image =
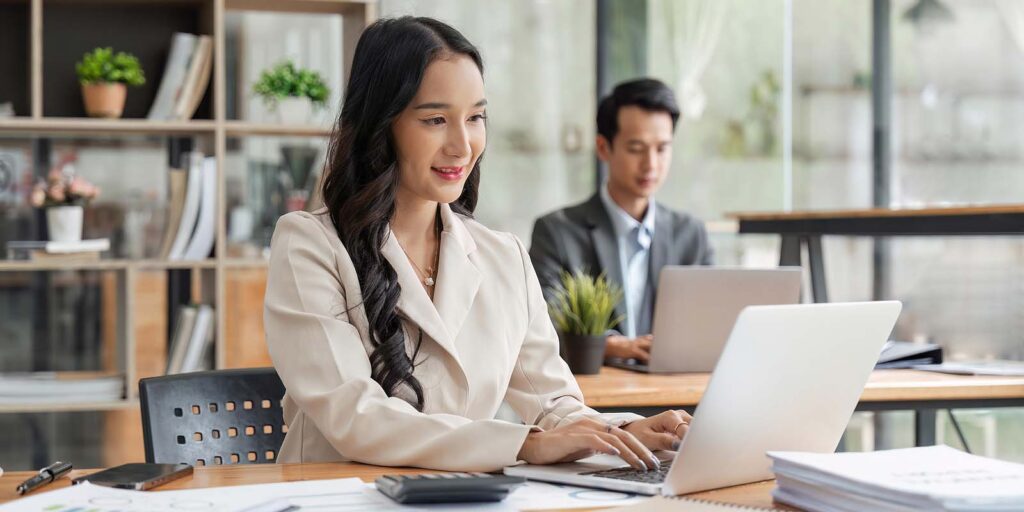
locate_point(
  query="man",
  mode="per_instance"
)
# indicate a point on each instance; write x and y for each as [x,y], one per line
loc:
[621,230]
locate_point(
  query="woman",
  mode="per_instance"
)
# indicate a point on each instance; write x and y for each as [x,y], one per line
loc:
[399,324]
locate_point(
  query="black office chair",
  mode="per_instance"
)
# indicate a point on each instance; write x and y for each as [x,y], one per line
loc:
[215,417]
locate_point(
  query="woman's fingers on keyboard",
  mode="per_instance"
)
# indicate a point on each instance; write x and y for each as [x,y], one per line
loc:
[625,451]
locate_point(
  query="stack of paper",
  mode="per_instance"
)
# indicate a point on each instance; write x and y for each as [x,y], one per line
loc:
[930,478]
[60,387]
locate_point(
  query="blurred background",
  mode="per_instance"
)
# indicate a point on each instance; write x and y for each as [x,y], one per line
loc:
[777,116]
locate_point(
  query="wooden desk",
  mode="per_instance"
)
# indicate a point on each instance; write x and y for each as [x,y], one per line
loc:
[807,227]
[757,494]
[616,390]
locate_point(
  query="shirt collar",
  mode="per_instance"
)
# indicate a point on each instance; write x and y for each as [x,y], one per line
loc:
[622,222]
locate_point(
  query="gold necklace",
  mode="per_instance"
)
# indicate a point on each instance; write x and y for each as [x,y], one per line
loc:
[428,276]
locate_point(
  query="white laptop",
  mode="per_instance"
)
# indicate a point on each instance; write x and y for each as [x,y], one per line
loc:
[788,380]
[697,307]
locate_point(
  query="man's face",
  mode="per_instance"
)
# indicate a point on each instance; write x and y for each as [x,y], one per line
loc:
[640,155]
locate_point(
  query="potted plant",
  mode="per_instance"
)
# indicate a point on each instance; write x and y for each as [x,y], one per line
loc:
[292,92]
[104,76]
[583,310]
[64,195]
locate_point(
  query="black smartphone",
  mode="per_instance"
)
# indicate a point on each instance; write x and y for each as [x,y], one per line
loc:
[137,476]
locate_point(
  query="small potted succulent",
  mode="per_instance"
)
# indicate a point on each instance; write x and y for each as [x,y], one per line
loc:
[63,194]
[292,92]
[583,310]
[105,76]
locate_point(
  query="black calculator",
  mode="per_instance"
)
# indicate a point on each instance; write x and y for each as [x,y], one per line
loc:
[448,487]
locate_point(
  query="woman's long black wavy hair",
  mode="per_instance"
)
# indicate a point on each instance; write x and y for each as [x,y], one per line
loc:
[362,173]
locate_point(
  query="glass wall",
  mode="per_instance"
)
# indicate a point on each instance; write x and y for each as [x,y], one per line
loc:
[956,138]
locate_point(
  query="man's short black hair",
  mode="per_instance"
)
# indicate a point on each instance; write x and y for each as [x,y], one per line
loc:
[646,93]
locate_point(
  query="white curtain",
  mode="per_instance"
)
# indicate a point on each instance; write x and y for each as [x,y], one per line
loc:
[694,27]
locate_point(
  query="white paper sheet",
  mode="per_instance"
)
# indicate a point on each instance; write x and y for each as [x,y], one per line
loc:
[95,498]
[341,495]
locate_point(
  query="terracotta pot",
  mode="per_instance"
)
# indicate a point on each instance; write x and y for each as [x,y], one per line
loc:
[104,99]
[585,354]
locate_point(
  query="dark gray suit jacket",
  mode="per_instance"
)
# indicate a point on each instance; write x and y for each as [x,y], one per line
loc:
[582,237]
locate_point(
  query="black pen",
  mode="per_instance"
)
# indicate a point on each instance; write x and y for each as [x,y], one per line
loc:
[45,476]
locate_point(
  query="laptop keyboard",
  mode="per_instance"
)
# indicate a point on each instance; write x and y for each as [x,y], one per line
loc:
[656,476]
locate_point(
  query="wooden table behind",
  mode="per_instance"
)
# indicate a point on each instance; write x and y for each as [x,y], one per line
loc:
[614,387]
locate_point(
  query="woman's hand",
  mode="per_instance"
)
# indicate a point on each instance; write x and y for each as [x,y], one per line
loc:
[661,432]
[621,347]
[583,438]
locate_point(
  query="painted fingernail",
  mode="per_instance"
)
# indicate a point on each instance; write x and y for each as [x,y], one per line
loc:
[644,464]
[615,451]
[657,463]
[675,445]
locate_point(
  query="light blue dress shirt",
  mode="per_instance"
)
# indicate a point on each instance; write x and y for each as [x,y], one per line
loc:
[634,241]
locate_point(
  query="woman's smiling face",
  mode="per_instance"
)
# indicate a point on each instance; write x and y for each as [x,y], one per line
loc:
[441,133]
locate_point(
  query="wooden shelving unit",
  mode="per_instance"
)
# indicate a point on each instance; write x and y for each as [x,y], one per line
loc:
[48,110]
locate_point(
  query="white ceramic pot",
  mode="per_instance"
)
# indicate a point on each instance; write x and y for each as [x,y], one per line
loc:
[65,223]
[295,111]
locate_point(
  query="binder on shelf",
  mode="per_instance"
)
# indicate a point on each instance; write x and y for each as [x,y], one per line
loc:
[196,79]
[190,208]
[198,339]
[175,207]
[180,339]
[182,48]
[201,243]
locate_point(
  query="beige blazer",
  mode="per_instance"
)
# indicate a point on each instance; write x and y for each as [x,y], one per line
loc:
[487,338]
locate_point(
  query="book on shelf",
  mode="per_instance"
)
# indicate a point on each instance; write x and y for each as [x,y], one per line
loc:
[48,250]
[197,77]
[192,340]
[60,387]
[189,207]
[925,478]
[186,321]
[201,242]
[175,205]
[182,47]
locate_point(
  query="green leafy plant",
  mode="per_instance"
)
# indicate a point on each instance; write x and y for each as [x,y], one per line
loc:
[584,304]
[102,65]
[286,81]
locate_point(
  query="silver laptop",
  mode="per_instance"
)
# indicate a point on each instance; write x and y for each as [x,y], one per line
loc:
[788,379]
[697,307]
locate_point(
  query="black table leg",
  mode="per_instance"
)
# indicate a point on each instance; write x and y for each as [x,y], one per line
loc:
[924,427]
[789,252]
[817,263]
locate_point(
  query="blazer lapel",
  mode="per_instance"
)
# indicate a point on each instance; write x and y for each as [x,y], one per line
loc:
[606,247]
[458,279]
[414,303]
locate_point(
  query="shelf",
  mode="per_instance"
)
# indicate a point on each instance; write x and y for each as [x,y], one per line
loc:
[112,264]
[298,6]
[241,128]
[245,263]
[87,126]
[113,405]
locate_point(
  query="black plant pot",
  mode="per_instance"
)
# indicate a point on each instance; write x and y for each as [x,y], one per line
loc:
[584,353]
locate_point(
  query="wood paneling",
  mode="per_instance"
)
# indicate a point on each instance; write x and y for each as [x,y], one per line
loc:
[244,342]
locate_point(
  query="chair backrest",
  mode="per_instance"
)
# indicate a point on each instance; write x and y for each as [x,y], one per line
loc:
[214,417]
